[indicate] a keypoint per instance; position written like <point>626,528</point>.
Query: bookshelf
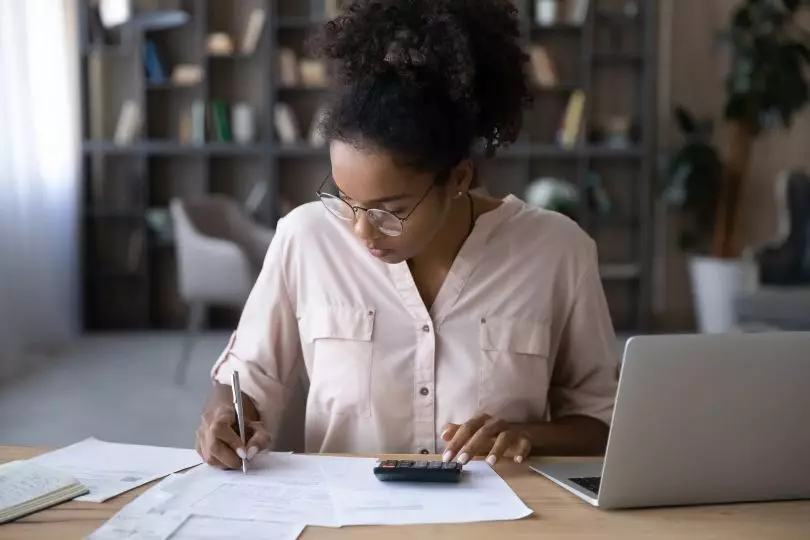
<point>129,263</point>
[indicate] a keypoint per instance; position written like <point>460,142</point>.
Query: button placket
<point>424,381</point>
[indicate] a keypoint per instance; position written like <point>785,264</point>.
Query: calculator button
<point>406,464</point>
<point>420,465</point>
<point>435,465</point>
<point>450,465</point>
<point>389,463</point>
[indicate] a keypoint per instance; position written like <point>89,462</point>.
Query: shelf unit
<point>129,269</point>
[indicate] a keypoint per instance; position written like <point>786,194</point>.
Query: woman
<point>429,319</point>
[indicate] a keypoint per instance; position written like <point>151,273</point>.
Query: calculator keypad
<point>392,470</point>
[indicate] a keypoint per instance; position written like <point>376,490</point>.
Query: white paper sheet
<point>208,528</point>
<point>335,491</point>
<point>109,469</point>
<point>361,499</point>
<point>140,520</point>
<point>278,487</point>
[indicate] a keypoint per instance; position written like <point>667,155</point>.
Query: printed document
<point>109,469</point>
<point>144,520</point>
<point>277,487</point>
<point>207,528</point>
<point>361,499</point>
<point>336,491</point>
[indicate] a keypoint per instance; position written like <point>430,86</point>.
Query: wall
<point>695,79</point>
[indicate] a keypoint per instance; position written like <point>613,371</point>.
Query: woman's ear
<point>461,178</point>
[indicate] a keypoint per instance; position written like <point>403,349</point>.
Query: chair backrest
<point>210,269</point>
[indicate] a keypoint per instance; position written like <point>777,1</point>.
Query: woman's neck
<point>443,249</point>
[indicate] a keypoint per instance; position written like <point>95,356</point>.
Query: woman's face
<point>370,179</point>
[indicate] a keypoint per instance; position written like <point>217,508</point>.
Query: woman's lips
<point>379,253</point>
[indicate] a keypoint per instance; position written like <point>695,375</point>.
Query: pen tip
<point>244,468</point>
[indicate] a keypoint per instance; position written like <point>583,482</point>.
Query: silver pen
<point>240,413</point>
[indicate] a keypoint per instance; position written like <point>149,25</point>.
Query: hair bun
<point>462,56</point>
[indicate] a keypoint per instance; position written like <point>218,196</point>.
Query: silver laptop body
<point>702,419</point>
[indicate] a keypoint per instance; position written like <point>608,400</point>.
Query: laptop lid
<point>710,419</point>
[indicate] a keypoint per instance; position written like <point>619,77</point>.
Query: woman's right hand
<point>218,441</point>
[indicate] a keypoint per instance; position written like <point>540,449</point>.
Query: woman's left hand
<point>484,435</point>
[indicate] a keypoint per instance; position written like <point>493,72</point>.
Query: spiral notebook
<point>26,487</point>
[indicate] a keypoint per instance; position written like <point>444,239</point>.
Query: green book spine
<point>221,120</point>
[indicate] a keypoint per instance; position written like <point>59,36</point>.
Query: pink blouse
<point>520,329</point>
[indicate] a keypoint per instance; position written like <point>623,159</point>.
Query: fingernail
<point>463,458</point>
<point>518,459</point>
<point>252,451</point>
<point>491,460</point>
<point>444,433</point>
<point>447,456</point>
<point>241,453</point>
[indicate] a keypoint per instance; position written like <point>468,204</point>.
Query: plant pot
<point>716,283</point>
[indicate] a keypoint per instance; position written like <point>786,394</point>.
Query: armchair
<point>219,252</point>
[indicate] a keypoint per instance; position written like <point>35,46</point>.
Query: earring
<point>458,196</point>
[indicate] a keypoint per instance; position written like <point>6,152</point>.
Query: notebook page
<point>21,482</point>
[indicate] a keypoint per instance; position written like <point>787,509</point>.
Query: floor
<point>115,388</point>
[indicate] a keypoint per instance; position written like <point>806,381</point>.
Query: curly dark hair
<point>425,80</point>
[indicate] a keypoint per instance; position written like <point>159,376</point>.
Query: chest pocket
<point>340,373</point>
<point>514,372</point>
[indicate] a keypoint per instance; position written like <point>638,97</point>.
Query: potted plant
<point>766,86</point>
<point>693,175</point>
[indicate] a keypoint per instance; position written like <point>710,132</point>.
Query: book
<point>253,32</point>
<point>153,63</point>
<point>198,122</point>
<point>222,126</point>
<point>543,67</point>
<point>288,64</point>
<point>286,124</point>
<point>129,123</point>
<point>572,121</point>
<point>26,487</point>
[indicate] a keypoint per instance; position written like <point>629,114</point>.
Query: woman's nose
<point>363,228</point>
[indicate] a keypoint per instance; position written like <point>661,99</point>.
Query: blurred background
<point>148,148</point>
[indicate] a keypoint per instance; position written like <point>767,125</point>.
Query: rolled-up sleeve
<point>265,348</point>
<point>585,375</point>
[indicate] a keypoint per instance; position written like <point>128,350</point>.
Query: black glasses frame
<point>376,211</point>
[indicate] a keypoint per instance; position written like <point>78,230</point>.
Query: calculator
<point>393,470</point>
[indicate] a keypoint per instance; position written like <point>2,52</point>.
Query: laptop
<point>703,419</point>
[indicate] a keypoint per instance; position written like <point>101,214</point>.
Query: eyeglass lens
<point>385,222</point>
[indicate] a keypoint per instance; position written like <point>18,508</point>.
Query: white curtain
<point>39,177</point>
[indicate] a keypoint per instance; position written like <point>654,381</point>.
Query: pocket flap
<point>338,322</point>
<point>522,336</point>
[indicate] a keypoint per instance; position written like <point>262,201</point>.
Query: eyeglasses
<point>387,223</point>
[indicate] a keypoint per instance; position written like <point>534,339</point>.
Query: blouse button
<point>424,391</point>
<point>426,328</point>
<point>424,451</point>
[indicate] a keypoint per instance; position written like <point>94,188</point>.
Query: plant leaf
<point>686,122</point>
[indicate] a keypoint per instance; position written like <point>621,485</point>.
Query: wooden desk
<point>558,514</point>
